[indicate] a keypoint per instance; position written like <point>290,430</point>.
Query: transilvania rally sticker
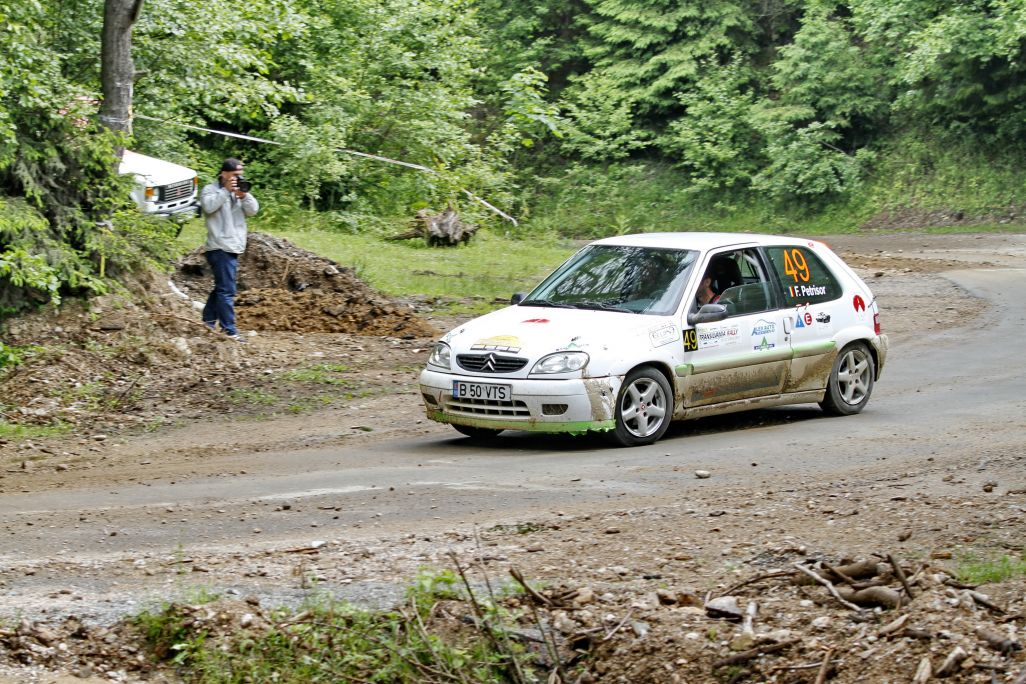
<point>506,343</point>
<point>719,337</point>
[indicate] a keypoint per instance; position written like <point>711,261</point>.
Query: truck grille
<point>487,407</point>
<point>176,191</point>
<point>490,363</point>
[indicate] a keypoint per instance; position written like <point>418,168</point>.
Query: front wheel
<point>851,381</point>
<point>644,408</point>
<point>477,432</point>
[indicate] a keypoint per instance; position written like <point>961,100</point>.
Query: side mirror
<point>517,298</point>
<point>709,313</point>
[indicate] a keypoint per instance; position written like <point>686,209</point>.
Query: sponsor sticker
<point>764,345</point>
<point>661,335</point>
<point>763,327</point>
<point>858,303</point>
<point>719,337</point>
<point>506,343</point>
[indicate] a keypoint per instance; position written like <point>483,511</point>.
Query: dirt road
<point>354,499</point>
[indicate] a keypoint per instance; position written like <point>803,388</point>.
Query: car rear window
<point>804,276</point>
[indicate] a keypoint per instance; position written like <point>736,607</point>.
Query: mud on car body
<point>615,340</point>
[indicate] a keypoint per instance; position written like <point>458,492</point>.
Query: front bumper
<point>573,405</point>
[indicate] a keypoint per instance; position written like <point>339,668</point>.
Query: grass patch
<point>14,431</point>
<point>331,641</point>
<point>251,397</point>
<point>975,570</point>
<point>489,267</point>
<point>321,373</point>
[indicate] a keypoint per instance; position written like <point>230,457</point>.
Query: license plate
<point>479,390</point>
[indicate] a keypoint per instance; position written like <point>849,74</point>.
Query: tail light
<point>876,323</point>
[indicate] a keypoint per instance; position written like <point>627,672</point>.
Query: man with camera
<point>226,204</point>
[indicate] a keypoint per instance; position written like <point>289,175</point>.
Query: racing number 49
<point>796,266</point>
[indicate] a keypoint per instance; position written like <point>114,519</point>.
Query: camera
<point>242,184</point>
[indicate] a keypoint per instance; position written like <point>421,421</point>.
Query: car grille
<point>486,407</point>
<point>176,191</point>
<point>490,363</point>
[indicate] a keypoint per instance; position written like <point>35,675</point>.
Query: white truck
<point>161,187</point>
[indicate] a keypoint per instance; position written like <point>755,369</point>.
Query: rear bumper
<point>880,346</point>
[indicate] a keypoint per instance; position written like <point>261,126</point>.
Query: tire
<point>477,432</point>
<point>644,408</point>
<point>851,381</point>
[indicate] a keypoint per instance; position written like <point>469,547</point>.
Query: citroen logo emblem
<point>489,364</point>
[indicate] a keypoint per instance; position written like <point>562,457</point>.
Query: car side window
<point>804,276</point>
<point>754,293</point>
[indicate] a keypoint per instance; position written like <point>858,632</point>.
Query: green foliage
<point>333,641</point>
<point>978,570</point>
<point>714,139</point>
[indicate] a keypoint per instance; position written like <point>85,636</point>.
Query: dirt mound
<point>285,288</point>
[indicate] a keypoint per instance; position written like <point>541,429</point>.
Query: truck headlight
<point>441,356</point>
<point>561,362</point>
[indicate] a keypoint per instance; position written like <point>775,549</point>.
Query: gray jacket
<point>226,218</point>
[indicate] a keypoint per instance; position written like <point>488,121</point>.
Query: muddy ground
<point>331,362</point>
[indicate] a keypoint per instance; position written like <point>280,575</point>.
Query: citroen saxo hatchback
<point>634,331</point>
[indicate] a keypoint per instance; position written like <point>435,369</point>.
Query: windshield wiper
<point>603,306</point>
<point>546,302</point>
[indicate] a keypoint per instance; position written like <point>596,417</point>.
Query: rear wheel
<point>851,381</point>
<point>643,408</point>
<point>477,432</point>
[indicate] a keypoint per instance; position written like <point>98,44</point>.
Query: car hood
<point>533,332</point>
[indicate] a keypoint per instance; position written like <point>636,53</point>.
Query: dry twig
<point>829,586</point>
<point>825,667</point>
<point>752,653</point>
<point>901,575</point>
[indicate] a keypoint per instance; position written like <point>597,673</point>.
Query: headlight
<point>561,362</point>
<point>441,356</point>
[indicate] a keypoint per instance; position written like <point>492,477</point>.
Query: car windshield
<point>617,278</point>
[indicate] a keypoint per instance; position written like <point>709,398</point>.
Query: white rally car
<point>632,332</point>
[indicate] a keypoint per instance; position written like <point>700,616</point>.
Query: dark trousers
<point>220,306</point>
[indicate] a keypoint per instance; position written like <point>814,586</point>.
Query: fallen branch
<point>753,580</point>
<point>901,575</point>
<point>951,663</point>
<point>519,577</point>
<point>874,596</point>
<point>825,667</point>
<point>998,642</point>
<point>985,602</point>
<point>923,672</point>
<point>826,583</point>
<point>752,653</point>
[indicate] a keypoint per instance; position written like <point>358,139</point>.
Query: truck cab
<point>161,187</point>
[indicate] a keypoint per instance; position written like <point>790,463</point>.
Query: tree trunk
<point>117,72</point>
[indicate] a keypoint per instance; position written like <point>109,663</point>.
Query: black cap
<point>231,164</point>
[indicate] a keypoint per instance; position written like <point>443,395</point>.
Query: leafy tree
<point>825,105</point>
<point>714,139</point>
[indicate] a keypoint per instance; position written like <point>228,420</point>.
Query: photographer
<point>226,204</point>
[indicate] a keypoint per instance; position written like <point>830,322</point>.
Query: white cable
<point>365,155</point>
